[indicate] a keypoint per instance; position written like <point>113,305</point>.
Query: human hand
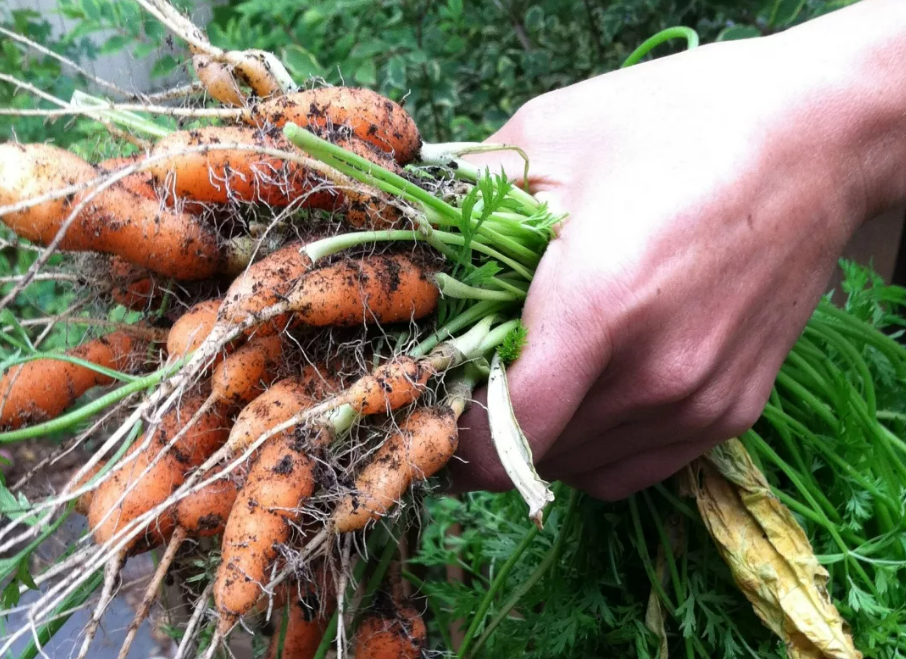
<point>709,196</point>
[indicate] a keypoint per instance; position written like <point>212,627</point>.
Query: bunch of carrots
<point>321,292</point>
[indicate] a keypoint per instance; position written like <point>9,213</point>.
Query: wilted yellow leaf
<point>769,554</point>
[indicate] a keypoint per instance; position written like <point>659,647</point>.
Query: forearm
<point>855,60</point>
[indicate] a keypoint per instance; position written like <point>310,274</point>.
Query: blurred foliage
<point>462,68</point>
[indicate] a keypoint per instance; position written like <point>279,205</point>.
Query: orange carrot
<point>192,328</point>
<point>264,283</point>
<point>41,389</point>
<point>222,176</point>
<point>248,371</point>
<point>142,493</point>
<point>262,518</point>
<point>114,221</point>
<point>135,288</point>
<point>427,439</point>
<point>381,288</point>
<point>218,80</point>
<point>370,116</point>
<point>276,405</point>
<point>305,624</point>
<point>399,633</point>
<point>140,183</point>
<point>83,503</point>
<point>391,386</point>
<point>204,513</point>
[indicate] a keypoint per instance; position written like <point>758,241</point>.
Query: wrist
<point>851,68</point>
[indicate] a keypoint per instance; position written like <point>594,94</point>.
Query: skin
<point>710,195</point>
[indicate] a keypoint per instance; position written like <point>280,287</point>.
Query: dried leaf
<point>769,555</point>
<point>512,446</point>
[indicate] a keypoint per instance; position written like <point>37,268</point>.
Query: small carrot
<point>83,503</point>
<point>398,633</point>
<point>427,439</point>
<point>248,371</point>
<point>41,389</point>
<point>276,405</point>
<point>113,221</point>
<point>370,116</point>
<point>192,328</point>
<point>305,625</point>
<point>218,80</point>
<point>391,386</point>
<point>136,288</point>
<point>262,518</point>
<point>264,284</point>
<point>204,513</point>
<point>144,492</point>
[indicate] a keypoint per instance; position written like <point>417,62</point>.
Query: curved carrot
<point>381,288</point>
<point>276,405</point>
<point>142,493</point>
<point>427,439</point>
<point>221,176</point>
<point>370,116</point>
<point>41,389</point>
<point>204,513</point>
<point>114,221</point>
<point>265,283</point>
<point>218,80</point>
<point>393,385</point>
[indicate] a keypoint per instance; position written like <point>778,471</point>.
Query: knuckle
<point>745,413</point>
<point>680,376</point>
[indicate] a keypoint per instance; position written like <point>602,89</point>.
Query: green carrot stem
<point>678,32</point>
<point>84,412</point>
<point>97,368</point>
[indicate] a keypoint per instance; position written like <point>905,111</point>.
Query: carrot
<point>398,633</point>
<point>262,519</point>
<point>218,80</point>
<point>115,220</point>
<point>305,624</point>
<point>380,288</point>
<point>369,115</point>
<point>276,405</point>
<point>204,513</point>
<point>201,514</point>
<point>427,439</point>
<point>140,183</point>
<point>41,389</point>
<point>192,328</point>
<point>222,176</point>
<point>83,503</point>
<point>142,493</point>
<point>391,386</point>
<point>264,283</point>
<point>247,372</point>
